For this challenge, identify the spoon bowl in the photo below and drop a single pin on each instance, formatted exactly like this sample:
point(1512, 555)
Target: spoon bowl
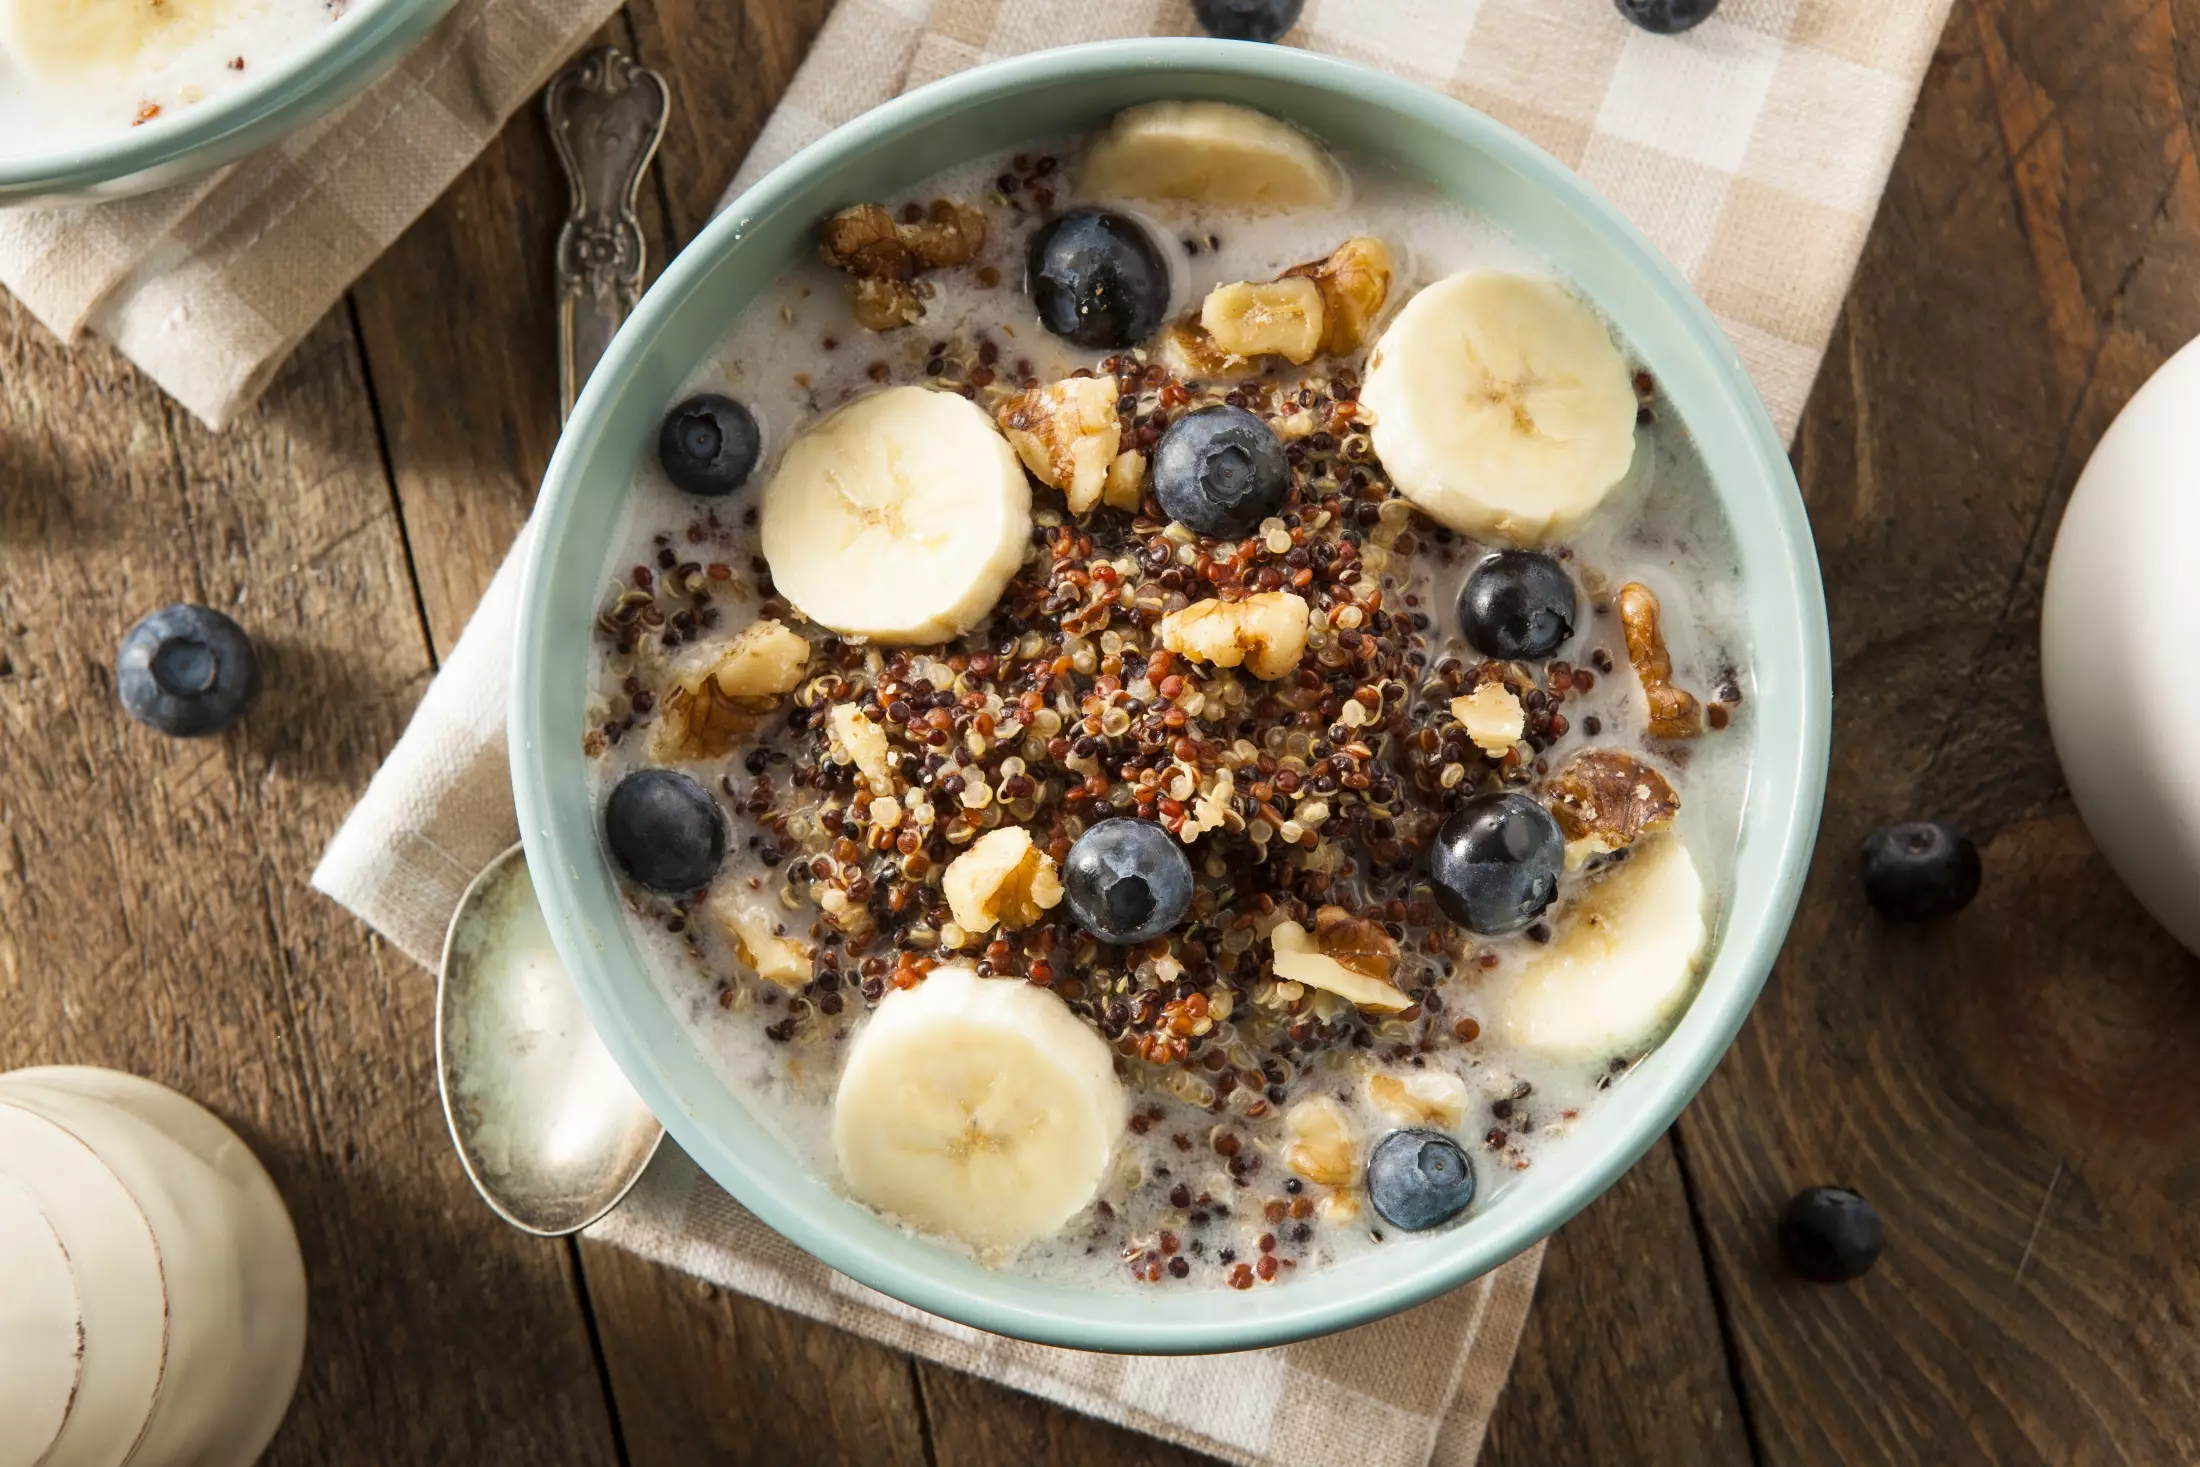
point(546, 1125)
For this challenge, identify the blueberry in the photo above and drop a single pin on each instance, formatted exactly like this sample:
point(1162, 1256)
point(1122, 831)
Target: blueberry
point(1667, 17)
point(187, 671)
point(1098, 279)
point(1248, 20)
point(664, 830)
point(1517, 605)
point(1419, 1179)
point(709, 445)
point(1830, 1235)
point(1220, 471)
point(1920, 870)
point(1495, 863)
point(1128, 880)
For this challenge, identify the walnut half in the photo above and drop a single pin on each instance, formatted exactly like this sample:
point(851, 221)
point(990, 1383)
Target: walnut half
point(719, 692)
point(1674, 713)
point(1354, 282)
point(885, 255)
point(1345, 955)
point(1067, 434)
point(1266, 634)
point(1002, 880)
point(1606, 800)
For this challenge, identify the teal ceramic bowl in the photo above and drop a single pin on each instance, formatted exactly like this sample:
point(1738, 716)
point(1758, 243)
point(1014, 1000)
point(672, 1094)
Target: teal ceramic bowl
point(1373, 116)
point(291, 93)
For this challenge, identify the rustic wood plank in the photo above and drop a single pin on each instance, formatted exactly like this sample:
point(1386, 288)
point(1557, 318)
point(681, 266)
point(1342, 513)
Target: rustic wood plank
point(153, 909)
point(1623, 1359)
point(2008, 1087)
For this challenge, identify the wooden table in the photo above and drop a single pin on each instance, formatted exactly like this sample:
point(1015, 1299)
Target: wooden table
point(2014, 1089)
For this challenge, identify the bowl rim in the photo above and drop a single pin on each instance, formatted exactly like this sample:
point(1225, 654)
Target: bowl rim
point(826, 1224)
point(296, 83)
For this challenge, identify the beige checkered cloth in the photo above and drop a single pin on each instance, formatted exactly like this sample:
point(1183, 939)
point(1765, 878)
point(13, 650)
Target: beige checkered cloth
point(210, 284)
point(1753, 150)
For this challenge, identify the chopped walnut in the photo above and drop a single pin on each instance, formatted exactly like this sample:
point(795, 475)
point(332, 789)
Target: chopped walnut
point(1492, 717)
point(1067, 434)
point(1319, 1144)
point(757, 940)
point(1266, 634)
point(1419, 1097)
point(1002, 879)
point(1126, 478)
point(1606, 800)
point(1345, 955)
point(1190, 353)
point(1280, 318)
point(865, 744)
point(885, 256)
point(1354, 282)
point(1674, 714)
point(717, 693)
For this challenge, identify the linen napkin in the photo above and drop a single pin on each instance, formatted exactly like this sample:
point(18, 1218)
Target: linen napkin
point(1753, 150)
point(208, 286)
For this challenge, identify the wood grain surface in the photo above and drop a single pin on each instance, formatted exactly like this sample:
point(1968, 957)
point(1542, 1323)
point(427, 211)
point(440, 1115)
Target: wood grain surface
point(2009, 1088)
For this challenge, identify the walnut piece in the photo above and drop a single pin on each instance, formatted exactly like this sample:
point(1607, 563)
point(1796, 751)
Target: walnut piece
point(1067, 434)
point(1345, 955)
point(1281, 318)
point(1419, 1097)
point(1266, 634)
point(885, 256)
point(1492, 717)
point(757, 940)
point(865, 744)
point(1126, 479)
point(1189, 352)
point(718, 692)
point(1319, 1144)
point(1003, 878)
point(1354, 281)
point(1674, 714)
point(1606, 800)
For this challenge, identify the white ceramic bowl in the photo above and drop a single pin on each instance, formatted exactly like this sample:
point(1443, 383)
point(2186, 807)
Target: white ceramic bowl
point(2124, 714)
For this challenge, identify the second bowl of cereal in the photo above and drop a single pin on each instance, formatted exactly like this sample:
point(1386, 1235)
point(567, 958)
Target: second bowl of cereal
point(1169, 696)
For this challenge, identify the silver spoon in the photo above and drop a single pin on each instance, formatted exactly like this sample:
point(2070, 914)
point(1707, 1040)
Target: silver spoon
point(546, 1125)
point(548, 1129)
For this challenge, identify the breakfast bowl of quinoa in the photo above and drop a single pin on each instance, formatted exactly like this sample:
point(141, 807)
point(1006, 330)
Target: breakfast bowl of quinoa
point(1169, 696)
point(107, 98)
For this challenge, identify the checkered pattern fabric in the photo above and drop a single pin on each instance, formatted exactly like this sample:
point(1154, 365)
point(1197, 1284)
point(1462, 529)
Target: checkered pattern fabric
point(209, 285)
point(1752, 150)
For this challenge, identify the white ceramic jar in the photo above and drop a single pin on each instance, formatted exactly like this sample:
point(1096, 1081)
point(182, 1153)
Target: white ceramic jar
point(2123, 710)
point(161, 1318)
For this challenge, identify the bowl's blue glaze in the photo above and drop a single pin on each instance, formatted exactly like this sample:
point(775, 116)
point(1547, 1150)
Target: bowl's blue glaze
point(1481, 163)
point(192, 140)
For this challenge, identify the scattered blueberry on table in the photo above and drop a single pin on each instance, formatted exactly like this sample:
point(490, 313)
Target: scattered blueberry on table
point(1419, 1179)
point(1098, 279)
point(1495, 863)
point(1127, 880)
point(187, 671)
point(1830, 1235)
point(1517, 605)
point(709, 445)
point(664, 830)
point(1220, 471)
point(1667, 17)
point(1920, 870)
point(1248, 20)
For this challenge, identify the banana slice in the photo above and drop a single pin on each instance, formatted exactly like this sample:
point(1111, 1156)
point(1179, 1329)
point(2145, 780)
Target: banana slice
point(1211, 153)
point(900, 517)
point(1502, 407)
point(62, 40)
point(1621, 962)
point(981, 1108)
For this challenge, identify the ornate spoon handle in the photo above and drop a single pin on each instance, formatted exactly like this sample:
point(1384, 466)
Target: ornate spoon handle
point(607, 115)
